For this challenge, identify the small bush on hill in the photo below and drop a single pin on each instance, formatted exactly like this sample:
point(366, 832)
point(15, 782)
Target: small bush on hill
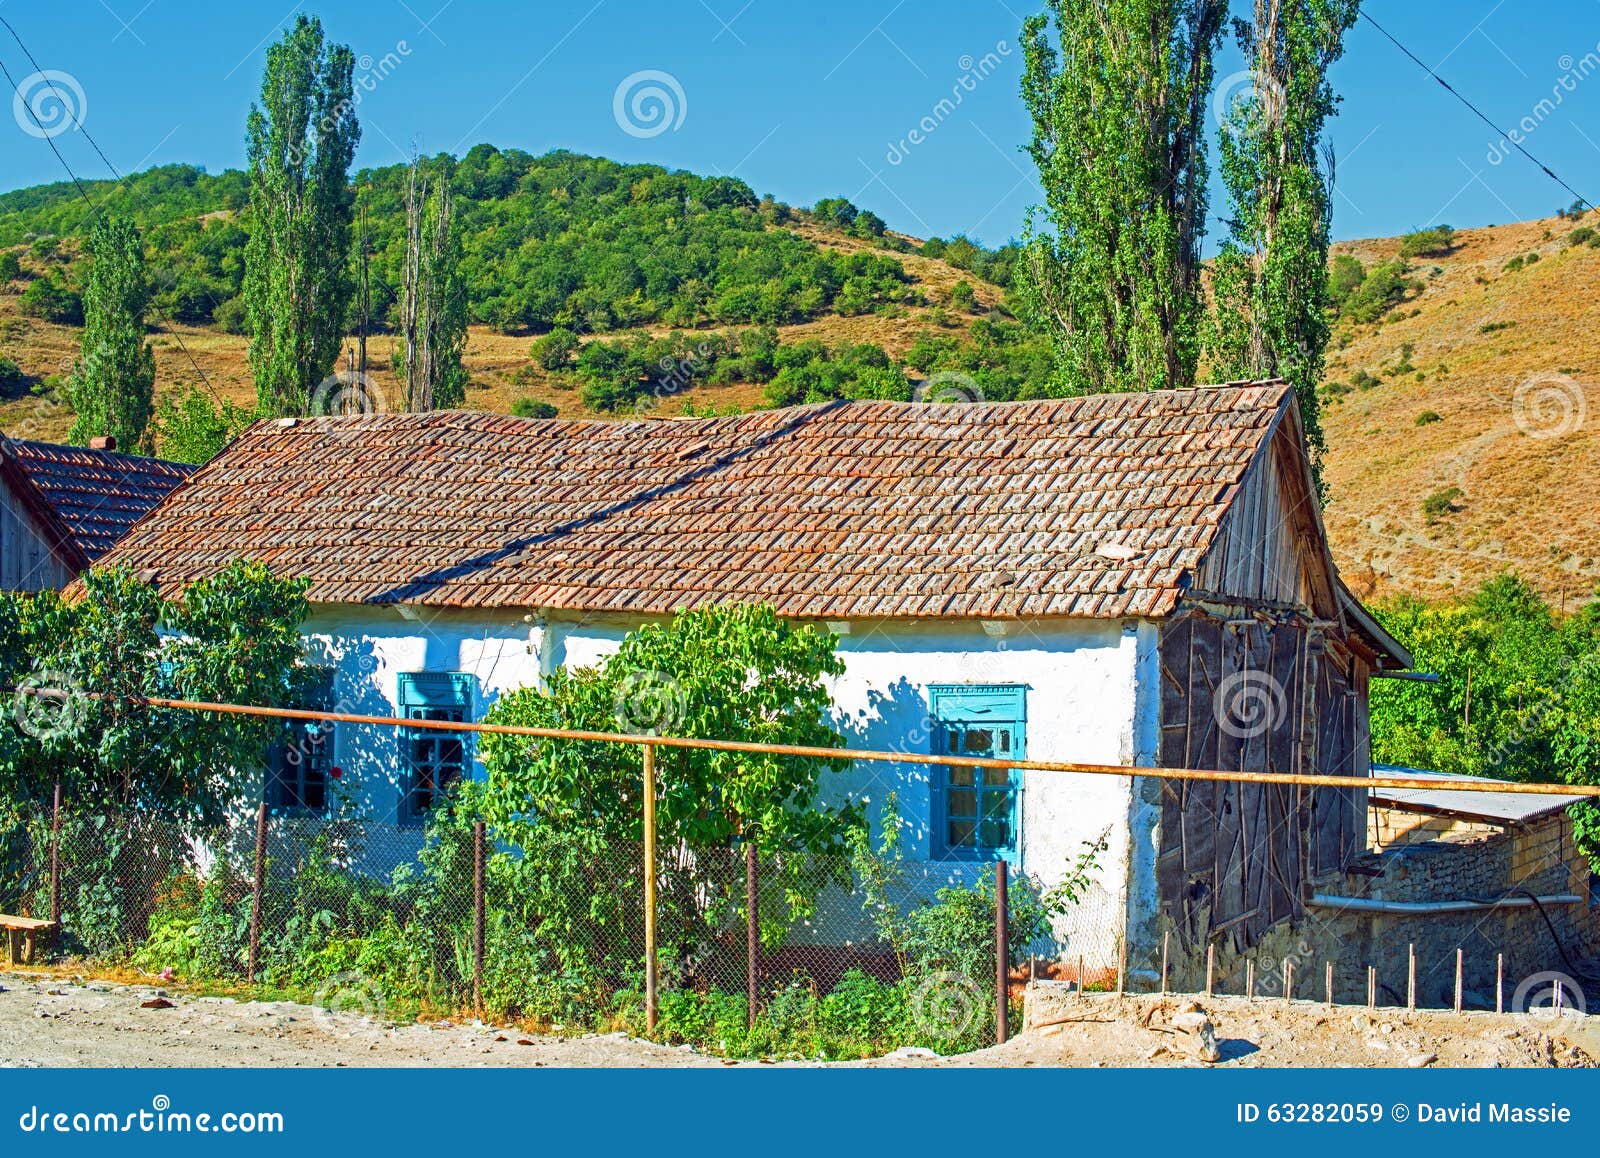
point(1428, 418)
point(532, 408)
point(1435, 242)
point(1441, 503)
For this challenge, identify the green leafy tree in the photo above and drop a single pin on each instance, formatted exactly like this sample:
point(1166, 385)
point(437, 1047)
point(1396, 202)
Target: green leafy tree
point(114, 377)
point(1518, 695)
point(1116, 90)
point(191, 428)
point(1270, 282)
point(300, 139)
point(434, 306)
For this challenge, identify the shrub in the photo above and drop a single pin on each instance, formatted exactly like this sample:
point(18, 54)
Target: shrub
point(554, 350)
point(10, 267)
point(52, 301)
point(962, 296)
point(1428, 418)
point(1361, 380)
point(532, 408)
point(1514, 264)
point(12, 380)
point(1494, 327)
point(1345, 273)
point(1441, 503)
point(1435, 242)
point(1582, 235)
point(232, 316)
point(1384, 287)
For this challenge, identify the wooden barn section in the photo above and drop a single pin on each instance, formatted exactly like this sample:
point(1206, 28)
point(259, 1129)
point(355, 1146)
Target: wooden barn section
point(1264, 667)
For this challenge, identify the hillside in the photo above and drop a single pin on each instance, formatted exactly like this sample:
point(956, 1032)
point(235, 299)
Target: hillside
point(1456, 408)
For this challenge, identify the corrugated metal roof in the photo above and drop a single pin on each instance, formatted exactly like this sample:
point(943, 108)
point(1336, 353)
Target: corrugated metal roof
point(1093, 506)
point(1503, 807)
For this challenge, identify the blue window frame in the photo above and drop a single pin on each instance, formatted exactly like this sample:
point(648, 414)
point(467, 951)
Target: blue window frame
point(977, 812)
point(300, 758)
point(431, 760)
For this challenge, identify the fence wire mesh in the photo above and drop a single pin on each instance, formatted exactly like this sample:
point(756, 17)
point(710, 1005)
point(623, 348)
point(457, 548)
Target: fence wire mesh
point(846, 956)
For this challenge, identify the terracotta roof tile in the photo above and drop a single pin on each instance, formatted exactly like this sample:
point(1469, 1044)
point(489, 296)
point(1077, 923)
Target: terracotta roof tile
point(836, 510)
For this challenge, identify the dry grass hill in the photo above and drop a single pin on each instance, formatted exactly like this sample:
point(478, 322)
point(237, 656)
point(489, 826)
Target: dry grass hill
point(1466, 439)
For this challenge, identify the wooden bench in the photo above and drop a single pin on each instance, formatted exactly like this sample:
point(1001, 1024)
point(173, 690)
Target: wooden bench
point(22, 933)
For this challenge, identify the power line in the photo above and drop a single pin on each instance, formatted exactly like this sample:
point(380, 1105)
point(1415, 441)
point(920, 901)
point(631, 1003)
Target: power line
point(82, 192)
point(1549, 172)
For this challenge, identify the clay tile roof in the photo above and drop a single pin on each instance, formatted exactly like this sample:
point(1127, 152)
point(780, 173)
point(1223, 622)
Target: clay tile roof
point(92, 497)
point(1092, 506)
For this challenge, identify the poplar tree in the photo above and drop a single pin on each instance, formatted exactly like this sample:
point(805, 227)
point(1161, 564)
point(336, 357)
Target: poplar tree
point(1270, 281)
point(114, 377)
point(1117, 91)
point(433, 308)
point(300, 139)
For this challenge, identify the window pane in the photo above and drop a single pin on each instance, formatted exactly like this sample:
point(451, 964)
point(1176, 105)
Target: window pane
point(962, 802)
point(962, 833)
point(996, 834)
point(996, 805)
point(996, 777)
point(960, 777)
point(980, 742)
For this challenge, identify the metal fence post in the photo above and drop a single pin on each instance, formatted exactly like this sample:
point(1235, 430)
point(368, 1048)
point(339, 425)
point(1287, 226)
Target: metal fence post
point(260, 885)
point(650, 1008)
point(752, 931)
point(477, 916)
point(55, 857)
point(1002, 953)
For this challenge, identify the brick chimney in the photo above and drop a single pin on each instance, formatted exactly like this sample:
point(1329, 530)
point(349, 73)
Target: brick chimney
point(103, 442)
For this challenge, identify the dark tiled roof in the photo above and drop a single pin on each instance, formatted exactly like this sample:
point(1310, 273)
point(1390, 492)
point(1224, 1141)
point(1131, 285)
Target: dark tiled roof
point(95, 495)
point(1074, 507)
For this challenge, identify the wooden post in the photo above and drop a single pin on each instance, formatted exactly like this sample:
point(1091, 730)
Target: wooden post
point(1002, 954)
point(1122, 968)
point(752, 931)
point(1458, 978)
point(55, 857)
point(1080, 973)
point(1372, 987)
point(1560, 997)
point(1327, 982)
point(478, 914)
point(1166, 941)
point(1411, 977)
point(1250, 978)
point(650, 1007)
point(260, 886)
point(1499, 982)
point(1288, 979)
point(1211, 968)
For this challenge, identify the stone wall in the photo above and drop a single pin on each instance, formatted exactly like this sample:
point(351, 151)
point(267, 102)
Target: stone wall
point(1540, 859)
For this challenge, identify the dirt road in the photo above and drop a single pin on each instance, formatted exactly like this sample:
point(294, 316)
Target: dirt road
point(54, 1021)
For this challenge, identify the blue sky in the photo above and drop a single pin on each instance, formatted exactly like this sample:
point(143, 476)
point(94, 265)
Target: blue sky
point(804, 100)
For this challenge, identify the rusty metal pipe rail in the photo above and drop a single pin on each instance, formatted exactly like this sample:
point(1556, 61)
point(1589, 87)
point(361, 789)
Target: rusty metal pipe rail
point(1127, 771)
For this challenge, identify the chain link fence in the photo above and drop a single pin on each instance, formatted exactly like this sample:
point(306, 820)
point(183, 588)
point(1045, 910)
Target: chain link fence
point(846, 956)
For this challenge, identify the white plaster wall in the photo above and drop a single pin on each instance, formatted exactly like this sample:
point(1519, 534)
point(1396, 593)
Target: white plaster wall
point(1080, 676)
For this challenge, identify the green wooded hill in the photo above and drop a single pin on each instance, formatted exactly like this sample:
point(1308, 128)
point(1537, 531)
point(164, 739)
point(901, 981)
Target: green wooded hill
point(556, 240)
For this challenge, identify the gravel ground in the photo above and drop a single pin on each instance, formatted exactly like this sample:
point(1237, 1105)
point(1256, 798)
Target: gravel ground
point(59, 1021)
